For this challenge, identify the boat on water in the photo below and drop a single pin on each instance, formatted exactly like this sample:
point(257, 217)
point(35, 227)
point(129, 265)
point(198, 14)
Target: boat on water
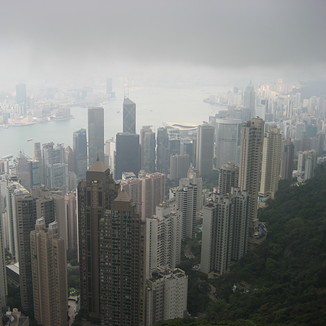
point(29, 139)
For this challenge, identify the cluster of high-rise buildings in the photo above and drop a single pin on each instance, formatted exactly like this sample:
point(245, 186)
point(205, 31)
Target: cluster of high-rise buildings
point(108, 201)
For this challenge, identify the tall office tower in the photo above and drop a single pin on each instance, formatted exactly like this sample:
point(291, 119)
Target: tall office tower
point(21, 94)
point(109, 153)
point(167, 291)
point(95, 196)
point(153, 192)
point(28, 171)
point(179, 165)
point(187, 197)
point(163, 238)
point(249, 98)
point(287, 157)
point(271, 163)
point(252, 134)
point(174, 146)
point(225, 231)
point(129, 116)
point(205, 149)
point(163, 154)
point(122, 284)
point(80, 152)
point(95, 135)
point(227, 141)
point(3, 275)
point(54, 166)
point(109, 87)
point(12, 191)
point(321, 143)
point(147, 149)
point(49, 276)
point(71, 220)
point(228, 178)
point(38, 157)
point(127, 157)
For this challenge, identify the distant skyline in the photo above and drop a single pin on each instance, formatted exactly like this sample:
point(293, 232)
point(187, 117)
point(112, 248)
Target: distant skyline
point(217, 40)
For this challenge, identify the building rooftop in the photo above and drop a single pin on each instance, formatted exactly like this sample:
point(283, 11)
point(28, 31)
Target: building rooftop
point(98, 166)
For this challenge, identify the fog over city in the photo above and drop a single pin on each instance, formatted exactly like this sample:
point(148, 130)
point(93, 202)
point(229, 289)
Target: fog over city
point(224, 40)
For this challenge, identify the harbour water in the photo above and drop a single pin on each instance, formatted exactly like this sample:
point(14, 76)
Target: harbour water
point(154, 106)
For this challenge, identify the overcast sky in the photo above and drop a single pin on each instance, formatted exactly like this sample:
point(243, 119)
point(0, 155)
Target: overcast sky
point(71, 37)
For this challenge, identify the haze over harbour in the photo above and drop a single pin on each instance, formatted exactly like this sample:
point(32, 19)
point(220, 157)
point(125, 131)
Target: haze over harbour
point(155, 105)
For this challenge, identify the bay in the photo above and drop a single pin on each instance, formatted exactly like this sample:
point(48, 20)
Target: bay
point(154, 105)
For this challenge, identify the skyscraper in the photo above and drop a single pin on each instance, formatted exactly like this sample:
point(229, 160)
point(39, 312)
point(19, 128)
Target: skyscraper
point(111, 251)
point(227, 141)
point(249, 98)
point(49, 276)
point(3, 276)
point(163, 154)
point(21, 94)
point(80, 153)
point(127, 154)
point(205, 149)
point(163, 238)
point(122, 265)
point(225, 231)
point(129, 116)
point(95, 135)
point(287, 157)
point(227, 178)
point(271, 163)
point(147, 152)
point(167, 291)
point(252, 134)
point(179, 165)
point(95, 196)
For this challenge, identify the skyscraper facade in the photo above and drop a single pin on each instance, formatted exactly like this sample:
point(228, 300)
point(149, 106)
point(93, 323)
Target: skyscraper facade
point(271, 163)
point(147, 153)
point(49, 276)
point(287, 157)
point(227, 141)
point(122, 265)
point(127, 157)
point(249, 98)
point(3, 276)
point(205, 149)
point(80, 153)
point(225, 231)
point(252, 134)
point(95, 196)
point(163, 153)
point(95, 135)
point(129, 116)
point(227, 178)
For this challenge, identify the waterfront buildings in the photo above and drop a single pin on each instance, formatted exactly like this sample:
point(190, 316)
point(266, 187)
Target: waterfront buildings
point(129, 116)
point(49, 276)
point(95, 135)
point(127, 158)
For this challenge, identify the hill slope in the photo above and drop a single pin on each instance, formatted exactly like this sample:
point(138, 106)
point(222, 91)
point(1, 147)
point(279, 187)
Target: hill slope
point(282, 282)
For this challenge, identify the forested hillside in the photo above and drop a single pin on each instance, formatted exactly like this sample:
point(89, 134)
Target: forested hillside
point(283, 281)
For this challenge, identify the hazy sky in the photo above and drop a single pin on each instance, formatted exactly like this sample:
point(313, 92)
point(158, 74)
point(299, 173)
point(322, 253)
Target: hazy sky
point(44, 39)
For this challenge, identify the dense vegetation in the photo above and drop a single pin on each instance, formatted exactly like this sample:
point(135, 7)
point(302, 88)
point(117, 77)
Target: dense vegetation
point(283, 281)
